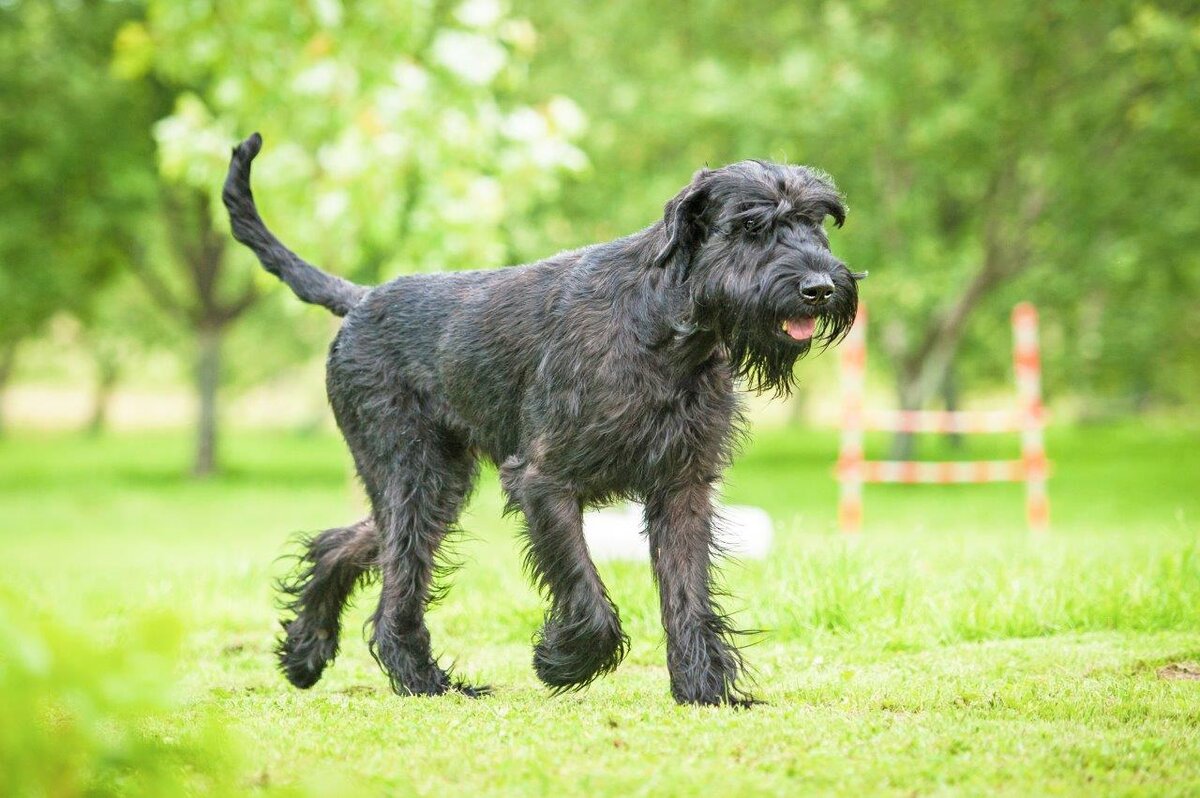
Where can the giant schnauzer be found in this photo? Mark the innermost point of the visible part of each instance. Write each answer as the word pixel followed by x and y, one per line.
pixel 600 374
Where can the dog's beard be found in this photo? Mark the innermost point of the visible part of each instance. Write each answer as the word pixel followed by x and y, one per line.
pixel 764 365
pixel 761 341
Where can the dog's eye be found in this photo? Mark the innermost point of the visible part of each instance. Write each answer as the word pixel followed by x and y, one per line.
pixel 751 226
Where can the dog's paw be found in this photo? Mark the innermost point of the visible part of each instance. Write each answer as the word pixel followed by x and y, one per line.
pixel 706 672
pixel 417 675
pixel 570 654
pixel 711 687
pixel 707 697
pixel 303 656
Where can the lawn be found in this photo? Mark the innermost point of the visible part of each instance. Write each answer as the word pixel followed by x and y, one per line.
pixel 945 651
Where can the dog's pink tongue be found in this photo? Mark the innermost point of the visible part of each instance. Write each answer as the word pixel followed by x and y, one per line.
pixel 801 329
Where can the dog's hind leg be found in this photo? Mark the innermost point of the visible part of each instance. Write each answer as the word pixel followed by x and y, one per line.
pixel 332 564
pixel 703 662
pixel 581 637
pixel 417 476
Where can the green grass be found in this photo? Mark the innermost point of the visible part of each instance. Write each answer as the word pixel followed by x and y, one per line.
pixel 946 651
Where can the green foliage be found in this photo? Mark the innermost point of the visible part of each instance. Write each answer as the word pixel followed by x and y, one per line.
pixel 78 166
pixel 989 152
pixel 1125 291
pixel 95 713
pixel 395 141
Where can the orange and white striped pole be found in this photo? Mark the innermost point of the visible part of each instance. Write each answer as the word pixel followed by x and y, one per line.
pixel 850 462
pixel 1027 366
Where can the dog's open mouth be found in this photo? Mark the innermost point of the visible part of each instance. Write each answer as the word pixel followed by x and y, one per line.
pixel 799 329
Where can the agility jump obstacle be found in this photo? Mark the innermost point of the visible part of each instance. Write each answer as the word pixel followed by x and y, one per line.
pixel 1027 418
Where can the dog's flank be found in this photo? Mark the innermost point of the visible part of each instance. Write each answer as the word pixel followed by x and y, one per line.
pixel 595 375
pixel 307 281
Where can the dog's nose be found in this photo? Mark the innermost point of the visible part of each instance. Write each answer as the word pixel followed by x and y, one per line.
pixel 817 289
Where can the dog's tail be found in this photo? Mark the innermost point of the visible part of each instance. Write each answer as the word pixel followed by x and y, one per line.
pixel 307 281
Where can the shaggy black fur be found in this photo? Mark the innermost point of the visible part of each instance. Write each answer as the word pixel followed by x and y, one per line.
pixel 594 375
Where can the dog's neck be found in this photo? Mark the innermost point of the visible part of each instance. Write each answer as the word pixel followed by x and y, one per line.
pixel 701 352
pixel 693 345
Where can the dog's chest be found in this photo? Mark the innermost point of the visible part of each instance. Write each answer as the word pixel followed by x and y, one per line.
pixel 632 430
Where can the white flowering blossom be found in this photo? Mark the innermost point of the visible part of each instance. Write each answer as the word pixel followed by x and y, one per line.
pixel 318 79
pixel 193 146
pixel 472 57
pixel 324 78
pixel 567 117
pixel 409 156
pixel 411 77
pixel 392 145
pixel 479 13
pixel 525 124
pixel 346 158
pixel 408 91
pixel 519 34
pixel 328 12
pixel 332 206
pixel 545 136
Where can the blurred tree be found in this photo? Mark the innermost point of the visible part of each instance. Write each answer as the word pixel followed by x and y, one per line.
pixel 8 363
pixel 198 249
pixel 394 140
pixel 120 331
pixel 989 153
pixel 1126 305
pixel 78 162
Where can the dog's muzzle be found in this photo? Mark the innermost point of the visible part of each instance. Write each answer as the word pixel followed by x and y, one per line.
pixel 816 291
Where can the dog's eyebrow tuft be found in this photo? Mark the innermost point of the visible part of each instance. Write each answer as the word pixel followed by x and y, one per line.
pixel 822 202
pixel 836 209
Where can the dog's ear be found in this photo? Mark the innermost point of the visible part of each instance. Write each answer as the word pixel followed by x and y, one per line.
pixel 684 223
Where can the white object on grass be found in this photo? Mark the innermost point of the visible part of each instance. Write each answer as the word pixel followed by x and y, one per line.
pixel 615 533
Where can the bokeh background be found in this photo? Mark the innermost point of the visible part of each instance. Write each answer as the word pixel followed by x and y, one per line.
pixel 164 426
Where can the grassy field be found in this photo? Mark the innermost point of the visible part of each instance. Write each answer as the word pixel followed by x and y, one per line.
pixel 944 652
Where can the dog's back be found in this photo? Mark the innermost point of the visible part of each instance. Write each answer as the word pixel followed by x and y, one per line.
pixel 468 341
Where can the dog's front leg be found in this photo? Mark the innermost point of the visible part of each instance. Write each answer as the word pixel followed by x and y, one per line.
pixel 581 637
pixel 701 657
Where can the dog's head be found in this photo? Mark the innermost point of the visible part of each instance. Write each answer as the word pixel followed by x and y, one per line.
pixel 748 240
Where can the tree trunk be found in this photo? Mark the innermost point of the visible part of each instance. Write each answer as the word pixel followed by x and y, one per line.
pixel 1005 254
pixel 950 398
pixel 106 379
pixel 208 374
pixel 908 392
pixel 199 250
pixel 8 359
pixel 924 372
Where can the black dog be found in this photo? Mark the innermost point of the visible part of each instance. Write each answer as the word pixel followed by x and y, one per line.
pixel 594 375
